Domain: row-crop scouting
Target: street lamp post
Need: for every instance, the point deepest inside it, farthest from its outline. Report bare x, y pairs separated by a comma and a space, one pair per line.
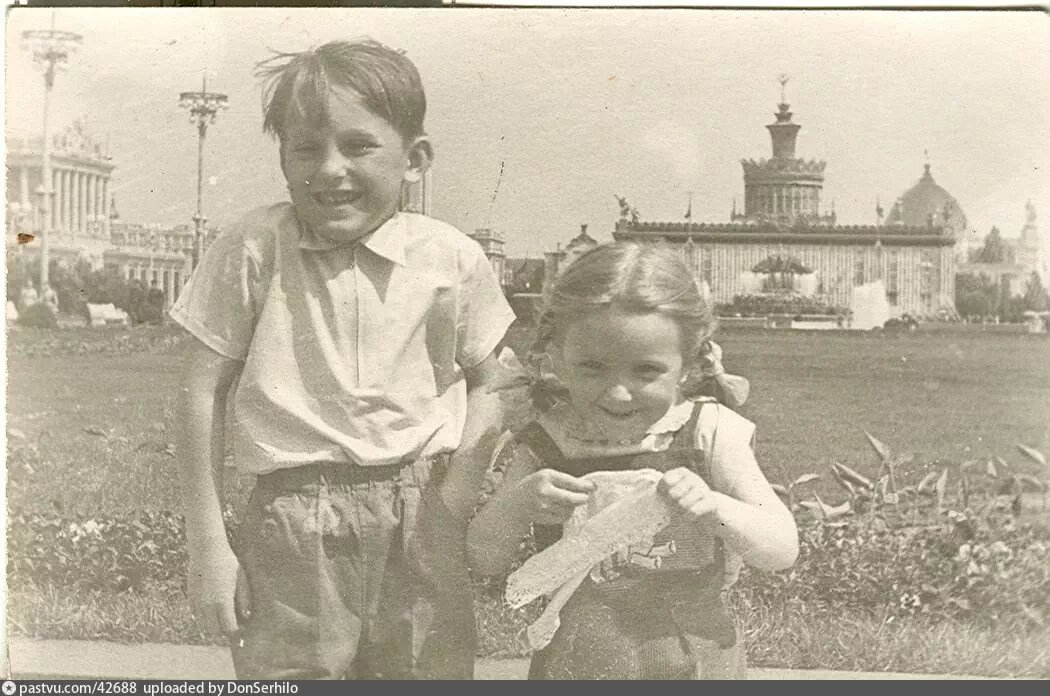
203, 107
51, 49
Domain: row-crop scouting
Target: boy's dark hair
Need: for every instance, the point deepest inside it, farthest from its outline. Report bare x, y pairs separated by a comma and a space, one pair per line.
300, 84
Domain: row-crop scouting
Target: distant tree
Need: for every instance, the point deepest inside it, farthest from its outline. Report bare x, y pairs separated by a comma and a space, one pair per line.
1035, 298
973, 303
977, 295
995, 250
1011, 309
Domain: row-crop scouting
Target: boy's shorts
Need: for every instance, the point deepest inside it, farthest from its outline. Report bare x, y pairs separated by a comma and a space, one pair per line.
354, 572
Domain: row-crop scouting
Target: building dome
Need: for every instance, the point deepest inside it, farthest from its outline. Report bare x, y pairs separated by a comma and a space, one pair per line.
928, 203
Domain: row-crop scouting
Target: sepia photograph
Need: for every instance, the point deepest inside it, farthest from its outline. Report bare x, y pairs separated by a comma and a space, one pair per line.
526, 343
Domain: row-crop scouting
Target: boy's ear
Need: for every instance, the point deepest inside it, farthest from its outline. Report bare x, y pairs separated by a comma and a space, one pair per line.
420, 156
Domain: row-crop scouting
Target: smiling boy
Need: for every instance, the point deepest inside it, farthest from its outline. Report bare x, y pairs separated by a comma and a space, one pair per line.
360, 340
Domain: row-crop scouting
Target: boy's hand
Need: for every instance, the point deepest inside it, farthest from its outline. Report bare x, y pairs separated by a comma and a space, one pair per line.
549, 497
218, 590
690, 493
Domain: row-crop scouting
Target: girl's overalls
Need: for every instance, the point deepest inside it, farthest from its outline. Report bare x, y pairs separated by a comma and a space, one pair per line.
660, 613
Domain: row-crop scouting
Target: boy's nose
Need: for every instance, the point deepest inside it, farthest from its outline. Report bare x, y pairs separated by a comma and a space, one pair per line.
334, 165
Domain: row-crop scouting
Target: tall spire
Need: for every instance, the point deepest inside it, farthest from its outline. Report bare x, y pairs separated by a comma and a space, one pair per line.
783, 132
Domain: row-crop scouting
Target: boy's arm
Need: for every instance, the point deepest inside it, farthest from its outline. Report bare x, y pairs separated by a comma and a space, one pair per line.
213, 568
483, 425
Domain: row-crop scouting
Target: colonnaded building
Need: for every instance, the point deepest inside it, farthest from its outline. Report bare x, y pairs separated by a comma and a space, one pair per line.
81, 218
913, 251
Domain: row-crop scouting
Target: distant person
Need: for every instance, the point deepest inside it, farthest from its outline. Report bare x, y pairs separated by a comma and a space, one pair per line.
363, 339
620, 332
28, 296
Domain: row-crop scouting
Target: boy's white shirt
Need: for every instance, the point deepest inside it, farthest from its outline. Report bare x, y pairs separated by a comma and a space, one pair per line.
352, 354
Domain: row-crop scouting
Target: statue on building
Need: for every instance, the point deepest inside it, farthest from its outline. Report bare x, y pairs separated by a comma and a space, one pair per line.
634, 215
625, 207
1029, 210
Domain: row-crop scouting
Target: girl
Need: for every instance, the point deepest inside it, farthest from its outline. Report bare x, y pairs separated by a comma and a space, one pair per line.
619, 334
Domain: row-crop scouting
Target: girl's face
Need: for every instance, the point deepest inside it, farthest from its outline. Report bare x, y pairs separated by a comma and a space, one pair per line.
621, 370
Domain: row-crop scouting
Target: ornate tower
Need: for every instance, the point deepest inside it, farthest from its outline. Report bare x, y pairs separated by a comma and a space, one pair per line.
783, 189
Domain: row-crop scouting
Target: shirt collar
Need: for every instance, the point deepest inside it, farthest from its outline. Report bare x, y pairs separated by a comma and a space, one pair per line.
672, 421
387, 241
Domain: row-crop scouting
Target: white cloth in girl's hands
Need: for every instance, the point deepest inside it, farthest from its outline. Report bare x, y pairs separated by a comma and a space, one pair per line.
625, 509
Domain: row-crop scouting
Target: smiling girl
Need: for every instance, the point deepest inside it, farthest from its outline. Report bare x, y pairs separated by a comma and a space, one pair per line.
621, 330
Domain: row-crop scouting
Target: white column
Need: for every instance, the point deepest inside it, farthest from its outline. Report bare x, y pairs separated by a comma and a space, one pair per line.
55, 178
63, 215
89, 203
81, 203
105, 208
71, 180
60, 200
74, 202
98, 198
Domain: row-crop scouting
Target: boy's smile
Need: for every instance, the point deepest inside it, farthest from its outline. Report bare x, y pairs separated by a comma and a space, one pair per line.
345, 172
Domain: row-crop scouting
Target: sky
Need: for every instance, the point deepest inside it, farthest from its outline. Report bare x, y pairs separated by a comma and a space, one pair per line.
540, 116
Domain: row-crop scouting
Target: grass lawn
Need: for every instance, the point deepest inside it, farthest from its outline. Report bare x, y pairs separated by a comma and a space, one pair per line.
104, 428
104, 421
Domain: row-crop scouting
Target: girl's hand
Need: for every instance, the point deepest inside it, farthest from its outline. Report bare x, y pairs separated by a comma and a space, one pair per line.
690, 494
549, 497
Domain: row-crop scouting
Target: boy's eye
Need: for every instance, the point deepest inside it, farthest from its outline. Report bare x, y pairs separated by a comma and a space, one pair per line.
305, 149
359, 147
590, 365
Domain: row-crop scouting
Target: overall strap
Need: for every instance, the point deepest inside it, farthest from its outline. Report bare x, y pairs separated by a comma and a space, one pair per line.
705, 416
542, 445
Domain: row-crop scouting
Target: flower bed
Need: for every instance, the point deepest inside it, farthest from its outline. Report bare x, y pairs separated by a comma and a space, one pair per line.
762, 304
977, 552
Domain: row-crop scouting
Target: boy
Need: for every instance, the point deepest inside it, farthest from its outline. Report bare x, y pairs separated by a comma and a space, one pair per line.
362, 341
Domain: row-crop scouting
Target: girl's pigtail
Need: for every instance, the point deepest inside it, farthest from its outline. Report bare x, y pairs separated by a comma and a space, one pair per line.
545, 389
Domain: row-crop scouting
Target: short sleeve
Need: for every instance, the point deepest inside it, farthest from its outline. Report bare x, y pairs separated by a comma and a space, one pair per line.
729, 437
221, 299
484, 314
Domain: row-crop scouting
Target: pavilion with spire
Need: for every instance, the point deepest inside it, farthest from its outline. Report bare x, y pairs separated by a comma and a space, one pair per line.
783, 217
784, 189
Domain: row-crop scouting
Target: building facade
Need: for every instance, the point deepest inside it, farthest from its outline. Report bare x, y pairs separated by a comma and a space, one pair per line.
783, 217
77, 215
81, 220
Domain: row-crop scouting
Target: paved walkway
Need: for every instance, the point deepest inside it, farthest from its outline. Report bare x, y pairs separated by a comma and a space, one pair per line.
55, 659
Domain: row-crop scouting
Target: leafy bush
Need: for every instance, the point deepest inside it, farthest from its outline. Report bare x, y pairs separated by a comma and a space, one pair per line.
109, 340
961, 552
921, 549
39, 316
